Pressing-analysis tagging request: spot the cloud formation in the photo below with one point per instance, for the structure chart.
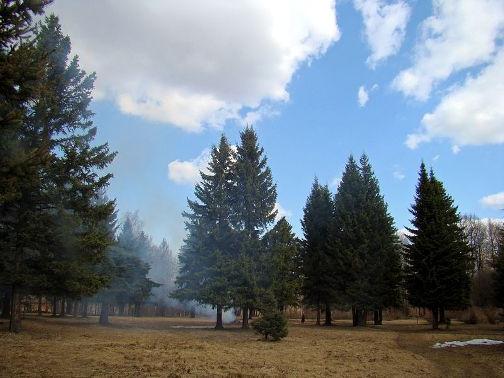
(460, 34)
(281, 212)
(196, 63)
(187, 172)
(384, 27)
(470, 114)
(494, 201)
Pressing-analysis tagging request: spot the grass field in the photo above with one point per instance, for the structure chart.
(181, 347)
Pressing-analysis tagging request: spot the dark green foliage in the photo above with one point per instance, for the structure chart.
(318, 279)
(438, 258)
(383, 246)
(206, 256)
(253, 204)
(499, 273)
(254, 194)
(271, 323)
(49, 170)
(283, 264)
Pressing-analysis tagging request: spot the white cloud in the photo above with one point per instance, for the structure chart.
(281, 212)
(459, 35)
(362, 96)
(471, 114)
(385, 27)
(398, 174)
(196, 63)
(188, 172)
(494, 201)
(436, 158)
(335, 182)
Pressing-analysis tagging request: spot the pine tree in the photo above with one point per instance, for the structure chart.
(383, 260)
(205, 257)
(253, 197)
(283, 255)
(438, 258)
(318, 279)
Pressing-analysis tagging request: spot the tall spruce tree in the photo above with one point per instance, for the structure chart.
(205, 259)
(349, 243)
(254, 197)
(438, 258)
(48, 164)
(283, 254)
(499, 272)
(318, 276)
(383, 246)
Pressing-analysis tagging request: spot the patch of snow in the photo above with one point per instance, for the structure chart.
(452, 344)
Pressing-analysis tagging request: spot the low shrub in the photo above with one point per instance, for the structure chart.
(272, 324)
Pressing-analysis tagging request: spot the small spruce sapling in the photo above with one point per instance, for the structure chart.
(272, 322)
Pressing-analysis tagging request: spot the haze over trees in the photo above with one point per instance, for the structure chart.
(56, 227)
(60, 237)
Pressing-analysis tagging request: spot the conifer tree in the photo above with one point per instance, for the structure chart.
(49, 167)
(283, 253)
(438, 258)
(499, 273)
(206, 256)
(318, 279)
(253, 198)
(383, 247)
(349, 246)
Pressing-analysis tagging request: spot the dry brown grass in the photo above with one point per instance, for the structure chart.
(152, 347)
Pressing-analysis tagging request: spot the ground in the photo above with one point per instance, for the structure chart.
(181, 347)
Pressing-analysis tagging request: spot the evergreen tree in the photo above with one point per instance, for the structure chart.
(318, 279)
(438, 258)
(349, 244)
(253, 197)
(282, 247)
(206, 255)
(49, 168)
(383, 260)
(499, 273)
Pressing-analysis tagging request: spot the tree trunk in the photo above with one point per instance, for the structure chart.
(193, 312)
(136, 310)
(251, 313)
(104, 313)
(328, 317)
(69, 308)
(435, 318)
(218, 324)
(15, 314)
(84, 308)
(442, 318)
(318, 315)
(54, 306)
(39, 306)
(63, 307)
(6, 304)
(245, 318)
(121, 309)
(378, 317)
(355, 321)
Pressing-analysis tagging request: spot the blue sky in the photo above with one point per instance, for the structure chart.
(166, 92)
